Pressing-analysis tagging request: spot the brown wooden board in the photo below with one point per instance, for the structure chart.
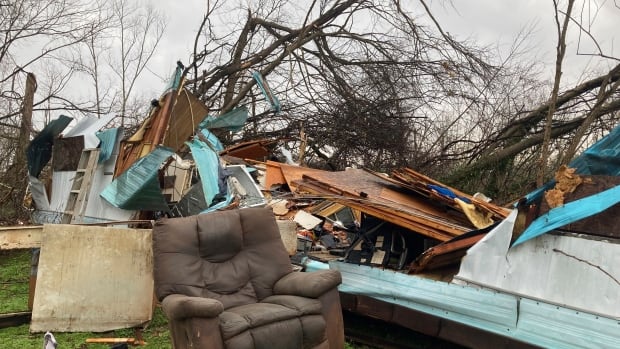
(366, 192)
(20, 237)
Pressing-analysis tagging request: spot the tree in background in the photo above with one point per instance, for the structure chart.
(72, 47)
(380, 84)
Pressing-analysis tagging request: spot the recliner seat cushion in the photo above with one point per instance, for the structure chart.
(273, 309)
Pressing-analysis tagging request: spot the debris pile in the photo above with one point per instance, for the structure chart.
(175, 165)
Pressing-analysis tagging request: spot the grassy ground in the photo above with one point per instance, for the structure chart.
(14, 278)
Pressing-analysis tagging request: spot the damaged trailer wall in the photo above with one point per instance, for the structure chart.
(522, 319)
(573, 270)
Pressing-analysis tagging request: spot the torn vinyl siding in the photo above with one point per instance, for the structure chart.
(574, 271)
(98, 209)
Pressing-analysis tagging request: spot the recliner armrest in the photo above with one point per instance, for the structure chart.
(178, 307)
(311, 284)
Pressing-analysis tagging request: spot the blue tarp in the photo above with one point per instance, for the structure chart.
(138, 187)
(602, 158)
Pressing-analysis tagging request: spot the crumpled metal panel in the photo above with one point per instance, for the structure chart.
(138, 187)
(487, 308)
(208, 164)
(232, 121)
(109, 140)
(39, 150)
(509, 315)
(576, 271)
(551, 326)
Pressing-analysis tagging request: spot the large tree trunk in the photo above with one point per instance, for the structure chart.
(17, 175)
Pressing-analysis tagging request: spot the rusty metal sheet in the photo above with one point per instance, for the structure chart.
(447, 253)
(93, 279)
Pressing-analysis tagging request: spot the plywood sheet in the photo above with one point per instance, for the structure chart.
(274, 174)
(188, 112)
(93, 279)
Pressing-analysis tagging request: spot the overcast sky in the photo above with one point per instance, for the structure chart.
(492, 22)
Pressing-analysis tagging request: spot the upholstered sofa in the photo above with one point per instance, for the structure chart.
(224, 280)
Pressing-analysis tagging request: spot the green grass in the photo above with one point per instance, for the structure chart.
(14, 276)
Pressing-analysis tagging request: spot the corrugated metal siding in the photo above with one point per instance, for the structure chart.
(138, 187)
(504, 314)
(488, 309)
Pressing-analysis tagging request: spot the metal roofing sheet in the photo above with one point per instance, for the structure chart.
(87, 127)
(232, 121)
(108, 142)
(524, 319)
(460, 303)
(138, 187)
(39, 150)
(208, 164)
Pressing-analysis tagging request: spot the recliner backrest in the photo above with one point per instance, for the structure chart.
(234, 256)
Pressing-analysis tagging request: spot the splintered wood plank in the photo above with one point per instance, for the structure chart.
(93, 279)
(12, 238)
(294, 173)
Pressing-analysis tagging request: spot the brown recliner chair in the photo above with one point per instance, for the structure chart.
(224, 280)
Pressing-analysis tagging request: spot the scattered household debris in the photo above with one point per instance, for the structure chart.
(360, 222)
